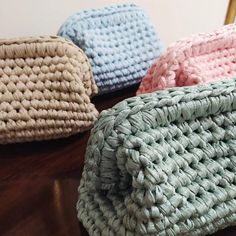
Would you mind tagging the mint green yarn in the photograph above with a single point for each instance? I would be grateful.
(163, 164)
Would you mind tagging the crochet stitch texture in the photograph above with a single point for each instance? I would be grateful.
(199, 59)
(119, 40)
(45, 89)
(163, 164)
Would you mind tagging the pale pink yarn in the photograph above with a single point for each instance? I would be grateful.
(202, 58)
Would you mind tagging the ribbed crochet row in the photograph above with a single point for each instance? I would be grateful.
(120, 42)
(199, 59)
(45, 89)
(163, 164)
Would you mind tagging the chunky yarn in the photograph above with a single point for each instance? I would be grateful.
(45, 89)
(163, 163)
(120, 42)
(199, 59)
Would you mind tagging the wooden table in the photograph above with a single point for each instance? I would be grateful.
(39, 181)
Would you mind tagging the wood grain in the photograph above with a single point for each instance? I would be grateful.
(39, 181)
(231, 12)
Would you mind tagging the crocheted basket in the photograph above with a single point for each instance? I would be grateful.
(163, 164)
(45, 85)
(120, 42)
(199, 59)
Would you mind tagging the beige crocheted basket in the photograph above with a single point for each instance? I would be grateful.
(45, 89)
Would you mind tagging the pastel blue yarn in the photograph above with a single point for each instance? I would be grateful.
(120, 42)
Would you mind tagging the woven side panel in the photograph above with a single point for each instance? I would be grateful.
(45, 89)
(163, 164)
(199, 59)
(119, 40)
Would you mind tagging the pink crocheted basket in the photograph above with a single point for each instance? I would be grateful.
(199, 59)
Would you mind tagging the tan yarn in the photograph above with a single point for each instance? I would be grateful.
(45, 89)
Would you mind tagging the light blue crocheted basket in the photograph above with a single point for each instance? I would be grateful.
(120, 42)
(163, 164)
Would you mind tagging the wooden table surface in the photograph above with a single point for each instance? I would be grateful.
(39, 181)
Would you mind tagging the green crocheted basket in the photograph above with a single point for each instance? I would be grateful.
(163, 164)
